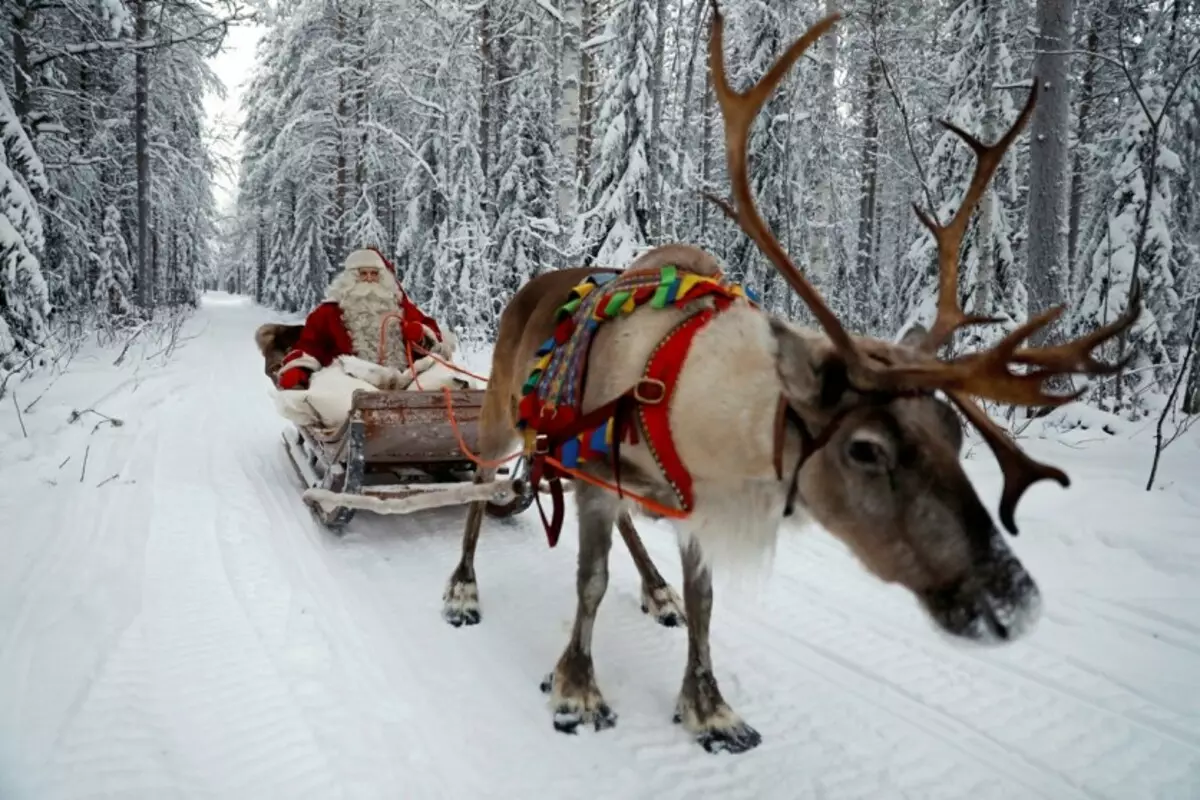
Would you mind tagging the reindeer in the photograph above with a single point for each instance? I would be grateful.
(872, 449)
(275, 340)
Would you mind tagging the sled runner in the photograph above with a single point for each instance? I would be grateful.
(399, 452)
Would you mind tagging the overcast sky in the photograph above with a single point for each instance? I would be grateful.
(232, 65)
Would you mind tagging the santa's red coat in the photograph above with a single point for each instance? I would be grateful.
(325, 336)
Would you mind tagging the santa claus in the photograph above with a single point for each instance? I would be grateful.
(365, 311)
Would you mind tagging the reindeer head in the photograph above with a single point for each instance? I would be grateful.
(274, 340)
(880, 466)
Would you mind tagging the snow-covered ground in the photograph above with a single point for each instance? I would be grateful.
(174, 623)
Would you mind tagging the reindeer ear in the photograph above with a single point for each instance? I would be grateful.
(808, 367)
(913, 336)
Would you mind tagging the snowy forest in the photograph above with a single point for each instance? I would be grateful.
(479, 143)
(106, 207)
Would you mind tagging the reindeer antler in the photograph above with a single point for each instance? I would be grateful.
(983, 374)
(739, 111)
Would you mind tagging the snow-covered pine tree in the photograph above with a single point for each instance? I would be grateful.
(526, 227)
(615, 223)
(1134, 231)
(24, 298)
(1125, 252)
(466, 281)
(979, 37)
(114, 272)
(753, 41)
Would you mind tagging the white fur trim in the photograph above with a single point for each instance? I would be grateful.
(293, 406)
(364, 258)
(305, 360)
(436, 376)
(377, 375)
(327, 400)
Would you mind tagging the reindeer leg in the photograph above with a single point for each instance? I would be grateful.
(460, 600)
(572, 686)
(659, 600)
(701, 708)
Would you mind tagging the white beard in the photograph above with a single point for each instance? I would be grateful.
(363, 306)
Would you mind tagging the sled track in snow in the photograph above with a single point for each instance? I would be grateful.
(190, 630)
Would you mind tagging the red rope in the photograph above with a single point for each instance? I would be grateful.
(646, 502)
(462, 442)
(652, 505)
(448, 365)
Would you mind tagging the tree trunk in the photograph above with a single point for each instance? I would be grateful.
(568, 120)
(1083, 137)
(868, 180)
(485, 109)
(654, 135)
(338, 238)
(260, 262)
(983, 301)
(824, 263)
(145, 292)
(1049, 227)
(21, 21)
(587, 94)
(866, 270)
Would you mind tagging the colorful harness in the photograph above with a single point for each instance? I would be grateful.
(549, 412)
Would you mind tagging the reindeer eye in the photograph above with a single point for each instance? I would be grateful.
(866, 452)
(869, 453)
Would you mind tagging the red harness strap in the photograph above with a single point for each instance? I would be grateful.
(545, 446)
(652, 395)
(662, 370)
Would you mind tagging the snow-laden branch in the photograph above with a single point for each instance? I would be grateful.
(551, 10)
(125, 45)
(371, 124)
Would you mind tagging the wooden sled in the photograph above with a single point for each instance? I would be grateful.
(398, 453)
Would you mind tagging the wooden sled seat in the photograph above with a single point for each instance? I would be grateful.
(403, 427)
(399, 452)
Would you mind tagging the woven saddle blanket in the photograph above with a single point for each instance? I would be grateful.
(553, 392)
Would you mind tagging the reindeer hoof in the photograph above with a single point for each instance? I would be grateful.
(665, 606)
(582, 707)
(735, 740)
(460, 618)
(460, 604)
(568, 718)
(723, 731)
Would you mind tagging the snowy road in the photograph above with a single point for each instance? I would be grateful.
(173, 623)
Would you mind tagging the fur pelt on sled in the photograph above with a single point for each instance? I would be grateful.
(327, 400)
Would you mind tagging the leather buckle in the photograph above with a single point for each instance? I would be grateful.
(541, 444)
(658, 391)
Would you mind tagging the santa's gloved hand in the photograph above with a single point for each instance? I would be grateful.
(445, 348)
(294, 378)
